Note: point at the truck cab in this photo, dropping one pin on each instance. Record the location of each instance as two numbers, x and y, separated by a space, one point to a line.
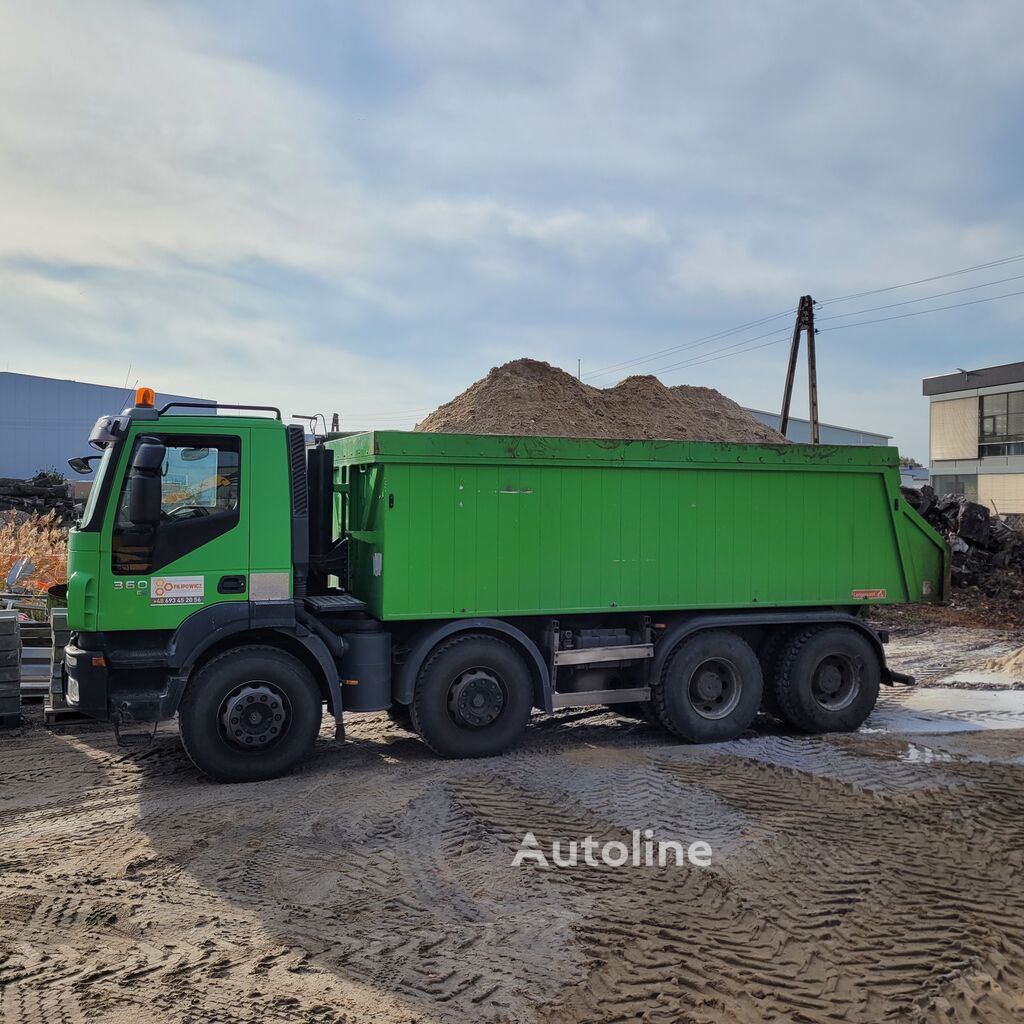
193 542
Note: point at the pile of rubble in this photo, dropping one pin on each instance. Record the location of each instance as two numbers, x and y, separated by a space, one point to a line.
987 552
528 397
39 495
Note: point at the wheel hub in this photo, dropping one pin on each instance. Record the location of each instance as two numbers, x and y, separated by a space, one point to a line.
830 680
476 699
714 688
254 715
836 683
709 685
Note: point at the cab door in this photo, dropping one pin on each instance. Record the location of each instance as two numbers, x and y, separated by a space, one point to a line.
197 553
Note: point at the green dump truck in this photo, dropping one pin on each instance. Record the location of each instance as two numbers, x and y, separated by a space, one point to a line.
228 572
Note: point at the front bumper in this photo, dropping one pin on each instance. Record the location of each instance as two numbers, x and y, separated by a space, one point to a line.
100 686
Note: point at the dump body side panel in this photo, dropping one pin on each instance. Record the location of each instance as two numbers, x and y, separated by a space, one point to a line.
453 525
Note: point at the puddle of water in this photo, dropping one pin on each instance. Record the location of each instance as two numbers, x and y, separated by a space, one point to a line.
997 680
941 710
915 754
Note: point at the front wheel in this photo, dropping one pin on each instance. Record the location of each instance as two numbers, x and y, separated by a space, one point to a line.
473 697
250 713
710 688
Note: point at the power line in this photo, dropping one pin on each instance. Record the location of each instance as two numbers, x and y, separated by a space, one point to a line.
741 328
691 362
744 346
690 344
729 332
924 280
390 417
926 298
711 358
922 312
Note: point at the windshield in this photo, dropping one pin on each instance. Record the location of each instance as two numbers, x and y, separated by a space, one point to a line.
98 485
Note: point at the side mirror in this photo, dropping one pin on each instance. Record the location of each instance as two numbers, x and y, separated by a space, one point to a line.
83 464
144 479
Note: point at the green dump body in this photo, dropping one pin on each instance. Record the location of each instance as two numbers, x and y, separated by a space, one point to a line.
454 525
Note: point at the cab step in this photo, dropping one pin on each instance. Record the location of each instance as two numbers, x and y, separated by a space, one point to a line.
585 698
135 739
334 603
597 655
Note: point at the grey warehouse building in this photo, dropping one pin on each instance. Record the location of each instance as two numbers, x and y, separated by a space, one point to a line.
45 421
828 433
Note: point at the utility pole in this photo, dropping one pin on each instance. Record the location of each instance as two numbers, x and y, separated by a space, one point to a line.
804 322
812 372
579 369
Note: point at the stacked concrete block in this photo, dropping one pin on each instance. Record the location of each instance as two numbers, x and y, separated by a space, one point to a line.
61 636
10 670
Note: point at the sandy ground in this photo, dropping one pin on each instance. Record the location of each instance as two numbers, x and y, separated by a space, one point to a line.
862 878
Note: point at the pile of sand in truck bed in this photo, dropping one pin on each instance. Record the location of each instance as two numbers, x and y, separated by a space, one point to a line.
529 397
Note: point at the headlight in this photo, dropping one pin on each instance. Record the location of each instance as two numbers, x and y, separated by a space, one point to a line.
72 690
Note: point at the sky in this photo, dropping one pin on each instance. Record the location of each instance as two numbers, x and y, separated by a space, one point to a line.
362 207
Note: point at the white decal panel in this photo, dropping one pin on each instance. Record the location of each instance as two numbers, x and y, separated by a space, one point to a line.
177 590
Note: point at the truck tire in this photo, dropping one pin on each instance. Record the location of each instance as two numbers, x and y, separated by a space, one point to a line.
710 688
828 680
473 697
250 713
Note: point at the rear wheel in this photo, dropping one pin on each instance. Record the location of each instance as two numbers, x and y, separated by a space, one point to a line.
828 680
250 713
710 688
473 697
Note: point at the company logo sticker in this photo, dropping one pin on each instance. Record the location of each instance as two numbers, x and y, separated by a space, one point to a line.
177 590
868 595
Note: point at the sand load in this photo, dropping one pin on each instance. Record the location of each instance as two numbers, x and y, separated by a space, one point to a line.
530 397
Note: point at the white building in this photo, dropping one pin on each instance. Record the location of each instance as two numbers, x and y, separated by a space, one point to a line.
976 435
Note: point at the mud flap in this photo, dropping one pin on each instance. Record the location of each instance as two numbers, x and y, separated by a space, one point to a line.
899 677
329 669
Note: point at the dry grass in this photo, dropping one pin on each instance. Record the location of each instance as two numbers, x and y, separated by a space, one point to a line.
42 540
34 537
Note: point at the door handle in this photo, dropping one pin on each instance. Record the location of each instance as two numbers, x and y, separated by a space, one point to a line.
231 585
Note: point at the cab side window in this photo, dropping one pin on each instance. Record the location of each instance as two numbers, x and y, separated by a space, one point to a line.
200 490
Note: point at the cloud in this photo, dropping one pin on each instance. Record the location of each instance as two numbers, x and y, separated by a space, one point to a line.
367 205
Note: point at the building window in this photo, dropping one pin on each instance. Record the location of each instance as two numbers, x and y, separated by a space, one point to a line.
956 484
1001 428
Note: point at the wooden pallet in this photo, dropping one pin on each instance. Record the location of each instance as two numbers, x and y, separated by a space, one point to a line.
64 716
